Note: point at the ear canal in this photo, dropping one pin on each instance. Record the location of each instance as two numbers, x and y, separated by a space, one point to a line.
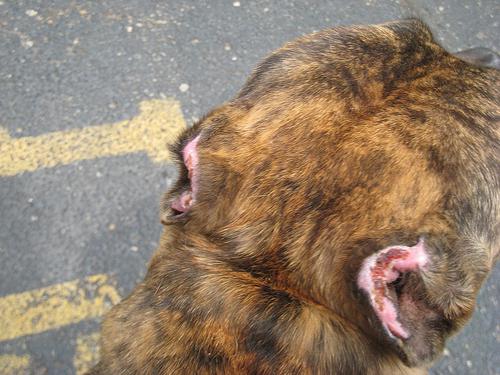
183 202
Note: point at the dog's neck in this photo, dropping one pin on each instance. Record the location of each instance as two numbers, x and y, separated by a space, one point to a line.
272 323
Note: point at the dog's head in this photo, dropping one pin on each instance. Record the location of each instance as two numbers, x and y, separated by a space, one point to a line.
358 169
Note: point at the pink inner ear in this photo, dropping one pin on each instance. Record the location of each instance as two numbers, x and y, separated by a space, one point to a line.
185 200
381 269
190 155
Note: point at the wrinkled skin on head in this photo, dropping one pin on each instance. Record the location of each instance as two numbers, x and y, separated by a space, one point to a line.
343 211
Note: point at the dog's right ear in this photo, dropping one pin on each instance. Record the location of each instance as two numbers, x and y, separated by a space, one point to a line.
480 56
177 204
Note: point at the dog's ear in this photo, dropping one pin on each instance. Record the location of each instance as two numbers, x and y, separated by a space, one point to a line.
480 56
424 292
178 202
391 279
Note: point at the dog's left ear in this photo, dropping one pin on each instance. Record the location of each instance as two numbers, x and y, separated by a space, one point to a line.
181 199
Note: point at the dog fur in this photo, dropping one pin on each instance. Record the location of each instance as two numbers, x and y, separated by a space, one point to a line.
340 144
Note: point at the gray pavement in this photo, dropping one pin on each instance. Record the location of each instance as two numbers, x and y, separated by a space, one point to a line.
73 64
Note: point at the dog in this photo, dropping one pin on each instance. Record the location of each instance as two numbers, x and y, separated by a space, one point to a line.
338 216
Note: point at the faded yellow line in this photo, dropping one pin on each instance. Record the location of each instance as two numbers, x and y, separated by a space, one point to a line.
158 124
86 352
55 306
14 365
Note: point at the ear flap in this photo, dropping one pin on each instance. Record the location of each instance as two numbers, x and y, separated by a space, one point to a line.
391 279
480 56
180 201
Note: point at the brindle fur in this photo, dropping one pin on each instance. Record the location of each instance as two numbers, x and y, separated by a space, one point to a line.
340 143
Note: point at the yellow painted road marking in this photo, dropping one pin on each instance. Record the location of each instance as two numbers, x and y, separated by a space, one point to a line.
158 124
86 352
14 364
55 306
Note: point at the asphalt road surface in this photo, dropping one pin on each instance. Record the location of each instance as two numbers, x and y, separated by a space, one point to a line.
89 93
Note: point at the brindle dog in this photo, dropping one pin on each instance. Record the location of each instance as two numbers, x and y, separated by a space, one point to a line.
338 216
